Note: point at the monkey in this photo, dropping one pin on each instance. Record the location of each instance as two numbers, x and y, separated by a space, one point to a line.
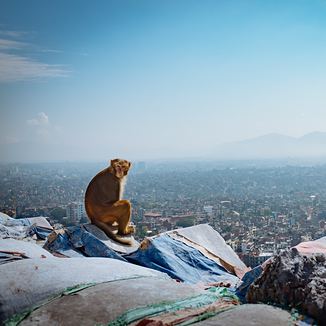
104 204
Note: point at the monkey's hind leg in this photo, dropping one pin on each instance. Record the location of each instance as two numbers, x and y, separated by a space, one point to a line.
122 211
107 230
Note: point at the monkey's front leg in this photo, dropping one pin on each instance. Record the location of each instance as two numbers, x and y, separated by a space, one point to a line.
123 210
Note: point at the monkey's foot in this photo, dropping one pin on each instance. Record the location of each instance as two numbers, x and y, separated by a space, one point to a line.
129 229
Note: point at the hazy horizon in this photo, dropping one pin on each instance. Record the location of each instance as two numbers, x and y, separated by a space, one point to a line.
144 80
270 148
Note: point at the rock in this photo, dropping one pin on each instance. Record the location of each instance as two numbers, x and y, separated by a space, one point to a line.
293 280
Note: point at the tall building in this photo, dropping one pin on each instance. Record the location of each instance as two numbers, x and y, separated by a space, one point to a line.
75 212
208 209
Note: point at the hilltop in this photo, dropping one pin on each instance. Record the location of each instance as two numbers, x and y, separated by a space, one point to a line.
274 146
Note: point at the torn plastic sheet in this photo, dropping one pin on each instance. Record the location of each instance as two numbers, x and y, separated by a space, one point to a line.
41 232
187 310
180 261
247 280
76 241
116 246
312 247
10 257
212 245
12 250
20 228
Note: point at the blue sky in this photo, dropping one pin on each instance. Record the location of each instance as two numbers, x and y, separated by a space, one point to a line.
91 80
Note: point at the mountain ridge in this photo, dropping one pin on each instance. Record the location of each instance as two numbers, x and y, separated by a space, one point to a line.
274 146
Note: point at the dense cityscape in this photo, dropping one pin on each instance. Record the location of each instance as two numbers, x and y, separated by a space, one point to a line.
257 210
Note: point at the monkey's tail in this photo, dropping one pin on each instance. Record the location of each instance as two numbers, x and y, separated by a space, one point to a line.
110 233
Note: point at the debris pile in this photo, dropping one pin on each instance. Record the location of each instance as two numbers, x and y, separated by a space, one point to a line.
294 280
77 274
24 228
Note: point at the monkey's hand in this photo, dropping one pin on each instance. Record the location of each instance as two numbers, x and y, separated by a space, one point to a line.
130 229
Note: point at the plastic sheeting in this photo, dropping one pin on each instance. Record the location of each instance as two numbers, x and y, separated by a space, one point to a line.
20 228
247 280
181 312
212 245
76 241
102 303
180 261
116 246
23 249
312 247
29 282
253 315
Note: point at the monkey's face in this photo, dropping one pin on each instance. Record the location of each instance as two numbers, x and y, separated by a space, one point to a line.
120 167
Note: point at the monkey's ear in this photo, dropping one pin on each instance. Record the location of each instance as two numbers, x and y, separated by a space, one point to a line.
129 164
114 161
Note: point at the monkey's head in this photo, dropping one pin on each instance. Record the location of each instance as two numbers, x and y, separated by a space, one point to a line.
120 167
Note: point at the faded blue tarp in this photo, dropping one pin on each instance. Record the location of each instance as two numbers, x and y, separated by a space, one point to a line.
247 280
180 261
41 232
76 241
20 228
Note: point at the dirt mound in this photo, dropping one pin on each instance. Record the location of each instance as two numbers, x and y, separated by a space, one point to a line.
294 280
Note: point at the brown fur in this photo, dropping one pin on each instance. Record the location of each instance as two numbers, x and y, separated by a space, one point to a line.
103 202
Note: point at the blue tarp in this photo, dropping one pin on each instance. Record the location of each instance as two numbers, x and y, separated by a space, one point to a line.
19 228
163 253
247 280
180 261
76 238
41 232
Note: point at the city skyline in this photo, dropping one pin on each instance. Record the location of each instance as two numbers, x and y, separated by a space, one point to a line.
156 80
258 211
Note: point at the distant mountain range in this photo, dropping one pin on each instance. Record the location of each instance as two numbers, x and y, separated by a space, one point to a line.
311 146
274 146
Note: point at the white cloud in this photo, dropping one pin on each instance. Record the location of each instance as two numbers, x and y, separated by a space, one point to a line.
40 129
17 66
10 44
41 120
13 33
51 51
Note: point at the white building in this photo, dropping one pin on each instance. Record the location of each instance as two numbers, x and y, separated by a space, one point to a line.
75 211
208 210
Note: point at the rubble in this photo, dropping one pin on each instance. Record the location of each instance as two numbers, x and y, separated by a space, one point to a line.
44 285
294 280
24 228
